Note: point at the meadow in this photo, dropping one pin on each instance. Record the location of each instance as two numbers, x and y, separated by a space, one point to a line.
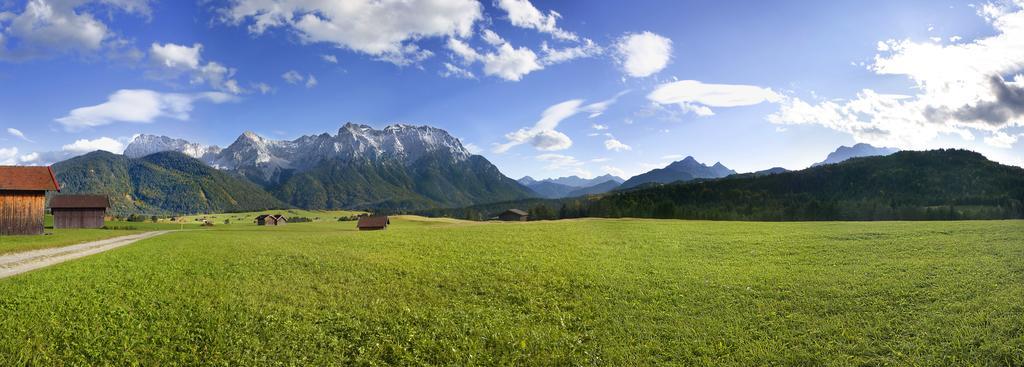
572 292
67 237
116 228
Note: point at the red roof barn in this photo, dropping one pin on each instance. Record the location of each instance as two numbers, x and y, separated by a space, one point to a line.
23 198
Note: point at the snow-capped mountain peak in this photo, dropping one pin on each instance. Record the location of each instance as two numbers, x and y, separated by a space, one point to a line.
405 142
144 144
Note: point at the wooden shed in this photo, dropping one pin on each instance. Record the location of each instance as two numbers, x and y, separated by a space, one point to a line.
79 211
271 220
514 215
23 198
373 223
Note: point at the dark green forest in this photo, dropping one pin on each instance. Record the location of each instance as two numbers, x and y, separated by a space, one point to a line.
909 185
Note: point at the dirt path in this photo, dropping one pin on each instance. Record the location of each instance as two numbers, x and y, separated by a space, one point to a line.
17 263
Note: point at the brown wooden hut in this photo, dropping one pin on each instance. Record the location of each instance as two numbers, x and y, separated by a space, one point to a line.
23 198
373 223
79 211
514 215
271 220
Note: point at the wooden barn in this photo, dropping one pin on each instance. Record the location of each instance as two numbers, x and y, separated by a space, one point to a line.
514 215
79 211
271 220
373 223
23 198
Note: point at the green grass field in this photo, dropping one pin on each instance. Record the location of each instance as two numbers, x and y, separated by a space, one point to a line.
249 217
580 292
66 237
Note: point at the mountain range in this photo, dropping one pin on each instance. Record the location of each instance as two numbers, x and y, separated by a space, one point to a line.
857 150
552 188
687 169
399 167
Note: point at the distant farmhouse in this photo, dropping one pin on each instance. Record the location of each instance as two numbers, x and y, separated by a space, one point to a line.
514 215
271 220
79 211
23 198
373 223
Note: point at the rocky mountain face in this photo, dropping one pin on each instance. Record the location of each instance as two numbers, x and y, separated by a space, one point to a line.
257 155
687 169
144 145
858 150
398 167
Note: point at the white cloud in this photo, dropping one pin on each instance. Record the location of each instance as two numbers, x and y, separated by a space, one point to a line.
697 97
492 38
565 163
643 54
18 134
599 127
1000 139
263 88
173 60
382 28
42 159
511 63
48 28
27 158
293 77
616 145
542 135
555 56
959 89
103 143
463 50
139 106
523 14
9 156
176 56
453 71
507 62
550 140
330 58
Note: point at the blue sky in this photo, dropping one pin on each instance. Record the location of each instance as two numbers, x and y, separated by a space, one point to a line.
542 88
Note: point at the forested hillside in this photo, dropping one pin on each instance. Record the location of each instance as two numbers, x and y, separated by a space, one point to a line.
939 184
434 180
161 183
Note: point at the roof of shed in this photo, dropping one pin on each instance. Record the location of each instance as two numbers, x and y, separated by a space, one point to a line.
79 201
26 178
377 221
